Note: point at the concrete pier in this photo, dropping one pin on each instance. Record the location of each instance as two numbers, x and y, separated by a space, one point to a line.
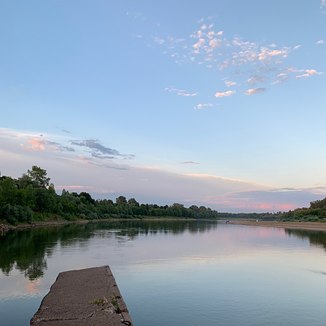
83 297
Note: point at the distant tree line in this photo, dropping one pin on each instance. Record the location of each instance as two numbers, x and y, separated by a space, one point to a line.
32 197
316 212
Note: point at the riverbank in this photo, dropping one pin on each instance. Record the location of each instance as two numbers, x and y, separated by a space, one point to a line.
313 226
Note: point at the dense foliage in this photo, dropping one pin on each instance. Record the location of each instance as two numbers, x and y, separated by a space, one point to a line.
316 212
33 197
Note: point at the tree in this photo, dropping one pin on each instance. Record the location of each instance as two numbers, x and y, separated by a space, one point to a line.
37 176
133 202
87 197
121 200
8 191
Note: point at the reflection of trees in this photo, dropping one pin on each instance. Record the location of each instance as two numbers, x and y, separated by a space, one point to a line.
317 238
27 250
132 228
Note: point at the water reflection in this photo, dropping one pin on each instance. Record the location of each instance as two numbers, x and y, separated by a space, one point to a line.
200 272
27 250
317 238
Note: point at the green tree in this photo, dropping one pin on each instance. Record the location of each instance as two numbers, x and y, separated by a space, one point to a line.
121 200
37 176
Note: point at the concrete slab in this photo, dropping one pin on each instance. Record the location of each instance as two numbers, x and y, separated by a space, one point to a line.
83 297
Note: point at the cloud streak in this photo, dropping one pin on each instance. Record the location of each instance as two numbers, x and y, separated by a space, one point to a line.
180 92
190 162
308 73
224 94
253 91
202 106
100 151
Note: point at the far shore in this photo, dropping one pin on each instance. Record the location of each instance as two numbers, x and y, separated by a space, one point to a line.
313 226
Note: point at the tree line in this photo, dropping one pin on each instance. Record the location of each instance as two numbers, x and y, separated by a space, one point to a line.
314 213
32 197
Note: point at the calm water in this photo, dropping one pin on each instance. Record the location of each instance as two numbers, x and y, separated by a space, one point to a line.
176 273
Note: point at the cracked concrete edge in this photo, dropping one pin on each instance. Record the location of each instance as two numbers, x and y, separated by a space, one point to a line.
115 294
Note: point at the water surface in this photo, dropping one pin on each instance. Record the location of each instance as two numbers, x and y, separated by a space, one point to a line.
175 273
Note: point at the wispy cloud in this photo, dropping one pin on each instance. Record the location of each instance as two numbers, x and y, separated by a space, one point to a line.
202 106
230 83
238 61
35 144
39 144
268 54
296 47
98 150
322 4
252 80
180 92
320 42
224 94
308 73
59 147
190 162
253 91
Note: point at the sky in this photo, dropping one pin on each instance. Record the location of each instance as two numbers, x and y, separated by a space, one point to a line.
214 102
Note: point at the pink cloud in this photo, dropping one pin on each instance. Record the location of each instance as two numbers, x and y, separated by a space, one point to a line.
73 187
224 94
33 287
36 144
308 73
250 204
252 91
180 92
266 53
198 44
230 83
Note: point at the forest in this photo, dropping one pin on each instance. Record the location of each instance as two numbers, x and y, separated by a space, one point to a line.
33 198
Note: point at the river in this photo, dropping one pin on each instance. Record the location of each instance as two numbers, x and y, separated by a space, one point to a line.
175 273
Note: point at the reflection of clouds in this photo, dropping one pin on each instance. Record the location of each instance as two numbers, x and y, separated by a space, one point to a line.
16 285
33 286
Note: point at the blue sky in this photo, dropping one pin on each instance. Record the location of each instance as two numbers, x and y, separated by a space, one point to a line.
215 103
